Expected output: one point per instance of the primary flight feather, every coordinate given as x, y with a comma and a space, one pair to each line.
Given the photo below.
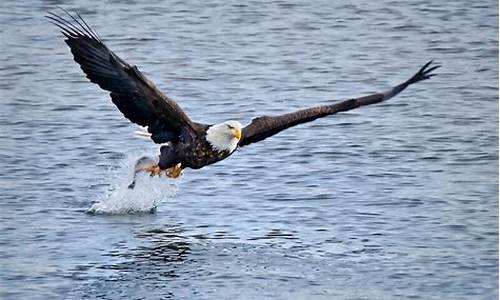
187, 144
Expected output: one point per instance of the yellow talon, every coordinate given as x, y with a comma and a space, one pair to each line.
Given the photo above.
153, 170
175, 171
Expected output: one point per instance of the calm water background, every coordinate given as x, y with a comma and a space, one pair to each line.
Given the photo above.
398, 200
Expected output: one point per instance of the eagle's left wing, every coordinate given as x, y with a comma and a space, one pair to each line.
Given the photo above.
263, 127
136, 97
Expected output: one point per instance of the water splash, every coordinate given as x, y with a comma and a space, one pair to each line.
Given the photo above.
144, 197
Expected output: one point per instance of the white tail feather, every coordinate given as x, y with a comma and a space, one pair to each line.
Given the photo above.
144, 134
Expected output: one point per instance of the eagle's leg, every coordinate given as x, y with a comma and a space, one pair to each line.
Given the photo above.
153, 170
168, 161
175, 171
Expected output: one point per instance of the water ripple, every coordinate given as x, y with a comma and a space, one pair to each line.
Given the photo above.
393, 201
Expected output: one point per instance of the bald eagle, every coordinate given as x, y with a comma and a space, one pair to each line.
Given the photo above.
186, 143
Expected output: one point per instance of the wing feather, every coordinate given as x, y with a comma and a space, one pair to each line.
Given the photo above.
263, 127
135, 96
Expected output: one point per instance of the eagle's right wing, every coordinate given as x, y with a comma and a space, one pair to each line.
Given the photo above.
263, 127
135, 96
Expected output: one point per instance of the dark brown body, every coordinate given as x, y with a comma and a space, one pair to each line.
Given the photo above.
191, 151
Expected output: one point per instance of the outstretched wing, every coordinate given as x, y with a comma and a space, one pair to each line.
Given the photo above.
135, 96
263, 127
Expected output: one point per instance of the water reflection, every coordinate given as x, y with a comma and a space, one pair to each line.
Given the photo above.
138, 268
159, 247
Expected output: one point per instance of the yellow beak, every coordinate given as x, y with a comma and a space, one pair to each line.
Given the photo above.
237, 133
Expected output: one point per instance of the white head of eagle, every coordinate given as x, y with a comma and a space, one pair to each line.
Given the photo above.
224, 136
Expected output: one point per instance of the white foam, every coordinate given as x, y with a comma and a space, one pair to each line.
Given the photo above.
144, 197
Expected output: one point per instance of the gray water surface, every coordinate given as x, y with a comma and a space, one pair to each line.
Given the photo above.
393, 201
